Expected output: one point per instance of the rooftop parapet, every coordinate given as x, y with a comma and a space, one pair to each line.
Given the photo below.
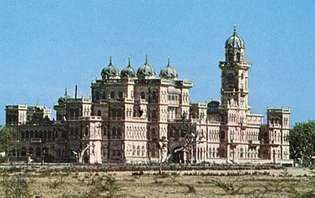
278, 110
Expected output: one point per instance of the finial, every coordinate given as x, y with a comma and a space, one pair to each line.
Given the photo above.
110, 60
129, 64
146, 59
76, 91
234, 29
168, 62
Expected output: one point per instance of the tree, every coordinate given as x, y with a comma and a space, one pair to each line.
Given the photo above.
7, 140
302, 142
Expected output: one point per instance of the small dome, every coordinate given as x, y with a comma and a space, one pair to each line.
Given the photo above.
146, 70
234, 41
110, 71
128, 72
169, 72
61, 100
213, 106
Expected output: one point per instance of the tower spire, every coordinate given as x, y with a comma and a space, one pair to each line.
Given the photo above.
234, 29
76, 91
146, 59
168, 62
129, 64
110, 60
66, 92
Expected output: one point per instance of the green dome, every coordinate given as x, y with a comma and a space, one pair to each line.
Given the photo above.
128, 72
146, 71
234, 41
110, 71
169, 72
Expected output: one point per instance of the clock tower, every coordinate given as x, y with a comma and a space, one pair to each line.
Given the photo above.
234, 74
234, 96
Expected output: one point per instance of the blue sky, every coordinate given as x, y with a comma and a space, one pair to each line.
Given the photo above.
46, 46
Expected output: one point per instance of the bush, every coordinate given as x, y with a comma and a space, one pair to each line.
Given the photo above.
15, 186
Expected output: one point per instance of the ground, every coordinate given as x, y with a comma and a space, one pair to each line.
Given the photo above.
289, 182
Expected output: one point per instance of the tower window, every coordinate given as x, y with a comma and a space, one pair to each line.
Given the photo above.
120, 95
97, 95
238, 56
112, 95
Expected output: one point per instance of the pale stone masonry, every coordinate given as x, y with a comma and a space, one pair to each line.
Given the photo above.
138, 117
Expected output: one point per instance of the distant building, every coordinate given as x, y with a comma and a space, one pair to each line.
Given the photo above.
138, 117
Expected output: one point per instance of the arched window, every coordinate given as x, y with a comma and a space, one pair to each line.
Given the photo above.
142, 95
114, 132
99, 113
238, 54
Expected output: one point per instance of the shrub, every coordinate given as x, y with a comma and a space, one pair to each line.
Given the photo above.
15, 186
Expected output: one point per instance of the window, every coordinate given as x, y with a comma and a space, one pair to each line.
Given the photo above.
119, 113
133, 150
97, 95
87, 130
222, 135
104, 95
114, 132
138, 150
112, 95
143, 151
238, 56
154, 116
142, 95
119, 132
105, 131
120, 95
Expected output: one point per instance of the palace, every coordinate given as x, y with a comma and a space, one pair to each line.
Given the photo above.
138, 117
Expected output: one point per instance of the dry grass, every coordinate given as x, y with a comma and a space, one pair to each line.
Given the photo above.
281, 183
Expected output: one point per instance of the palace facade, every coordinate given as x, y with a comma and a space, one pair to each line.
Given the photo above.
138, 117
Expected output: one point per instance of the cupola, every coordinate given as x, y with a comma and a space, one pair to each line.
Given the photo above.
146, 71
169, 72
110, 71
128, 72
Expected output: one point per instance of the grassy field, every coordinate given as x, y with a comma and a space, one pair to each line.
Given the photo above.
245, 183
